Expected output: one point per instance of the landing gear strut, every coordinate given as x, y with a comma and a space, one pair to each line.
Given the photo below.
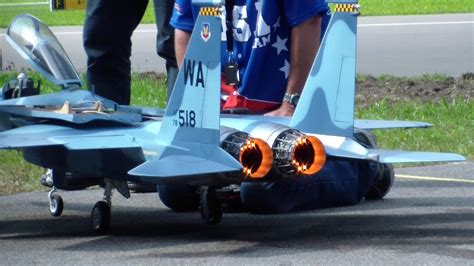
210, 207
56, 204
100, 217
101, 212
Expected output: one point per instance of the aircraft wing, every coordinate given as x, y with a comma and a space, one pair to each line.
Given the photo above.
72, 95
75, 118
52, 135
29, 136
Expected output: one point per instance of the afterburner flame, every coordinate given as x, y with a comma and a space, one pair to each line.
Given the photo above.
308, 155
256, 157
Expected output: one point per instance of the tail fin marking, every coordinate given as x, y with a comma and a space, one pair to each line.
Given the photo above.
192, 114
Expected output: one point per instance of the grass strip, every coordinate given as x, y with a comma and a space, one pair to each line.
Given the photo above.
369, 8
414, 7
56, 18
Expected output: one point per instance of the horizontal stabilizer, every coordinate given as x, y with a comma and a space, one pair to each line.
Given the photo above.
177, 168
393, 156
388, 124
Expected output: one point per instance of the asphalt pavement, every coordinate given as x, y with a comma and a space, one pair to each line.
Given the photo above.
426, 219
396, 45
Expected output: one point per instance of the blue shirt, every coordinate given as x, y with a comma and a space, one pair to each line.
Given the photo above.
262, 31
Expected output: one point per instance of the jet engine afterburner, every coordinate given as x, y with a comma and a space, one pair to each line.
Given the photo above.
294, 153
254, 154
297, 153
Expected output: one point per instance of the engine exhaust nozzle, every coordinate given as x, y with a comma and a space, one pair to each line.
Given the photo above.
256, 157
296, 153
308, 155
254, 154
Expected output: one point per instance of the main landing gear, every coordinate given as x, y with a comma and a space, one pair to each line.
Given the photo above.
100, 217
101, 212
210, 206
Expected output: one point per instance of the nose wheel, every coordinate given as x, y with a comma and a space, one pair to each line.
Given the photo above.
210, 207
56, 204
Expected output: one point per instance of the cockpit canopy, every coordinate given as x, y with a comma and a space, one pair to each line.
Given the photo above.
38, 45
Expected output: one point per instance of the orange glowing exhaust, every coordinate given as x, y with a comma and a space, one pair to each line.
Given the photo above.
308, 155
256, 157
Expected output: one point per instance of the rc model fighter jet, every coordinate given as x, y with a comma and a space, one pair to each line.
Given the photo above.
89, 140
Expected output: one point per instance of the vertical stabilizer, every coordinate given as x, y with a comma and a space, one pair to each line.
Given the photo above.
193, 114
190, 131
326, 105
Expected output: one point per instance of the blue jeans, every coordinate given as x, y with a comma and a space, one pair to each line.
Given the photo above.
339, 183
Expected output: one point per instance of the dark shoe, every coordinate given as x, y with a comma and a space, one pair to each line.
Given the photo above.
141, 187
384, 176
383, 181
179, 197
230, 198
365, 138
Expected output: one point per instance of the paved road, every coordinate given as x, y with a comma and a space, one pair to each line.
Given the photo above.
420, 222
399, 45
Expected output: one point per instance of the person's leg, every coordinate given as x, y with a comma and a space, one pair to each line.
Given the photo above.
385, 175
165, 40
337, 184
108, 27
179, 197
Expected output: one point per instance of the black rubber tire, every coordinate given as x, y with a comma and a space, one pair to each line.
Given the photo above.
56, 206
100, 217
210, 207
382, 186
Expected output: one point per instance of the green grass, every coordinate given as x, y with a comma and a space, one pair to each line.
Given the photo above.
22, 1
452, 129
414, 7
56, 18
369, 8
148, 89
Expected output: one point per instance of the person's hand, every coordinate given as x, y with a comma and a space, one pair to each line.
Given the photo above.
285, 109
